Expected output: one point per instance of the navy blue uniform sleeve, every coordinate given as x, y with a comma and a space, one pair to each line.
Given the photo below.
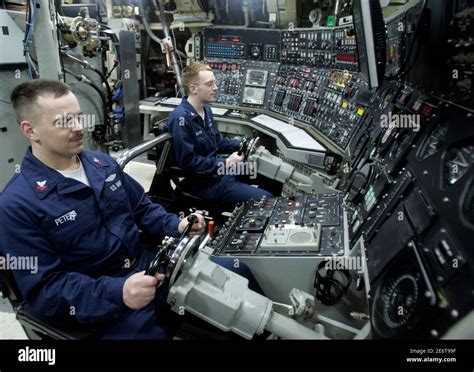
48, 287
149, 217
183, 149
224, 145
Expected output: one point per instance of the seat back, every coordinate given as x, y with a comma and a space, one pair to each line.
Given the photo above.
166, 170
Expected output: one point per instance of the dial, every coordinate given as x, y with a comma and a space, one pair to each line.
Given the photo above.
399, 300
252, 224
457, 163
402, 301
255, 51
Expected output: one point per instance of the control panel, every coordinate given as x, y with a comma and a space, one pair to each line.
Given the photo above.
298, 225
411, 158
322, 98
330, 48
407, 184
251, 44
259, 81
306, 74
244, 83
229, 79
381, 177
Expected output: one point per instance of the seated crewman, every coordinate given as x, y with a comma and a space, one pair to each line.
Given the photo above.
197, 142
80, 215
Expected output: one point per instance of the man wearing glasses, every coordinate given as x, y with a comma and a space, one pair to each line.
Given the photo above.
197, 142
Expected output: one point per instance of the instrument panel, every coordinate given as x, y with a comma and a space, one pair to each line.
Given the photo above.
406, 189
251, 44
308, 75
297, 225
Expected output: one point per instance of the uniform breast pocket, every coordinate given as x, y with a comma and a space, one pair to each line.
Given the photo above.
115, 196
72, 228
204, 144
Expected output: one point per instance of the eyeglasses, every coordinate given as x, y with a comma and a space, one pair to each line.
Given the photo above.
210, 84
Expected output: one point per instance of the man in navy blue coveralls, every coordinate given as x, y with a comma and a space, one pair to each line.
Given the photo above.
197, 142
80, 215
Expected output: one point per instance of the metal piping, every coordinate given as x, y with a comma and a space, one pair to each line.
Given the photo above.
166, 43
141, 148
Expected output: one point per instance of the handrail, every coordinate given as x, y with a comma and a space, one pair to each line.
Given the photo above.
141, 148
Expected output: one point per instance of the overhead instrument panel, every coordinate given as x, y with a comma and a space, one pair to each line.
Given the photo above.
330, 48
245, 62
306, 74
253, 44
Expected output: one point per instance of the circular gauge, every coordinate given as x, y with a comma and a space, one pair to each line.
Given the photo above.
403, 305
457, 163
399, 300
252, 223
255, 51
398, 303
301, 237
81, 30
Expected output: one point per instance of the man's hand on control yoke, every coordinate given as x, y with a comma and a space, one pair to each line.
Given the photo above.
198, 226
233, 159
139, 289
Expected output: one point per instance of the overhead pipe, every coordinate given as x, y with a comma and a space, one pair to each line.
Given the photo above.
166, 44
